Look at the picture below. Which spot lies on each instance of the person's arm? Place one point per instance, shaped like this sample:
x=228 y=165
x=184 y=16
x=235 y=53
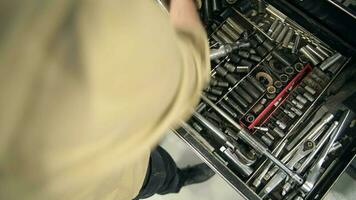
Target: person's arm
x=102 y=89
x=193 y=44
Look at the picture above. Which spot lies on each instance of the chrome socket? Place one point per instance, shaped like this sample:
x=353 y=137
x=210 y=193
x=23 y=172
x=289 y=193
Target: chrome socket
x=298 y=67
x=250 y=118
x=289 y=70
x=309 y=55
x=284 y=78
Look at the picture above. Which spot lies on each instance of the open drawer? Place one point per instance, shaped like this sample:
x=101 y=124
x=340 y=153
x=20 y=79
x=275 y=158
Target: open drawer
x=264 y=123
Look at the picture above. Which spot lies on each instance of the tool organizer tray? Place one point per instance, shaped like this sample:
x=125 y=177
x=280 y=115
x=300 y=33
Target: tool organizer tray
x=262 y=124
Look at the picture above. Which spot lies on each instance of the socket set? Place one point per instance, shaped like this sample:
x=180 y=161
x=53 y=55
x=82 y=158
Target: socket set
x=261 y=123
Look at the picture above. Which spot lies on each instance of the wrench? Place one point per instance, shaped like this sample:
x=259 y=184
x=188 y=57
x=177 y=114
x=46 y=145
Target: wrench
x=257 y=181
x=319 y=147
x=314 y=132
x=287 y=157
x=302 y=151
x=228 y=147
x=244 y=135
x=289 y=184
x=318 y=115
x=315 y=171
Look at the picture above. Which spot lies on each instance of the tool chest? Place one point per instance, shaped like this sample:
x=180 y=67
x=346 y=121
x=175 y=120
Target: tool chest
x=266 y=122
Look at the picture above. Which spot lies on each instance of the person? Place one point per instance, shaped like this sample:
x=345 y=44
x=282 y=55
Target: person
x=88 y=88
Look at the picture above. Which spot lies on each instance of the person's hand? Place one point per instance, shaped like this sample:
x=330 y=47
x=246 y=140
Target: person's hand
x=183 y=13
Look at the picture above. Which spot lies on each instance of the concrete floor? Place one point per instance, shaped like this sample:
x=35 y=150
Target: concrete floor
x=217 y=188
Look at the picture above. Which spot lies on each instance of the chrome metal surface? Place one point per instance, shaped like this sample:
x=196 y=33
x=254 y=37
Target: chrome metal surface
x=244 y=135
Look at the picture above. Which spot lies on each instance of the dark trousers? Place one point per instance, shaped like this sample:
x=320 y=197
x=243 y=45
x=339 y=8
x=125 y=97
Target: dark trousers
x=162 y=175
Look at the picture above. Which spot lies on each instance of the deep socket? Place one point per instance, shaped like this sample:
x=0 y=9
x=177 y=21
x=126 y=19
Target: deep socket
x=255 y=58
x=213 y=82
x=279 y=132
x=269 y=135
x=311 y=83
x=288 y=38
x=318 y=80
x=250 y=89
x=231 y=79
x=216 y=91
x=268 y=45
x=239 y=90
x=315 y=52
x=297 y=111
x=309 y=97
x=281 y=124
x=235 y=26
x=211 y=97
x=289 y=113
x=273 y=27
x=277 y=30
x=296 y=44
x=245 y=62
x=221 y=71
x=228 y=30
x=228 y=109
x=234 y=105
x=309 y=55
x=266 y=140
x=297 y=104
x=282 y=34
x=301 y=99
x=252 y=51
x=222 y=84
x=244 y=54
x=256 y=83
x=321 y=50
x=224 y=37
x=257 y=108
x=330 y=61
x=231 y=68
x=239 y=99
x=216 y=38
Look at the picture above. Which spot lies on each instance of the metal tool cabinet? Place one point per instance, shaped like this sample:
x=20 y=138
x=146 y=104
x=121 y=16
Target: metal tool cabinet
x=297 y=19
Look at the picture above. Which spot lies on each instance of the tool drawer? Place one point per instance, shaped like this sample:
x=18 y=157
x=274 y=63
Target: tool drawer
x=265 y=122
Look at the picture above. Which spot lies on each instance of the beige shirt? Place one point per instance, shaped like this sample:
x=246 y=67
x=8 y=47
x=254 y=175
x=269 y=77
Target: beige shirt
x=86 y=90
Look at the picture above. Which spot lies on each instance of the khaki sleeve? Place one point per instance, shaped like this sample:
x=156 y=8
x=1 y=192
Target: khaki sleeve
x=145 y=76
x=115 y=80
x=195 y=55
